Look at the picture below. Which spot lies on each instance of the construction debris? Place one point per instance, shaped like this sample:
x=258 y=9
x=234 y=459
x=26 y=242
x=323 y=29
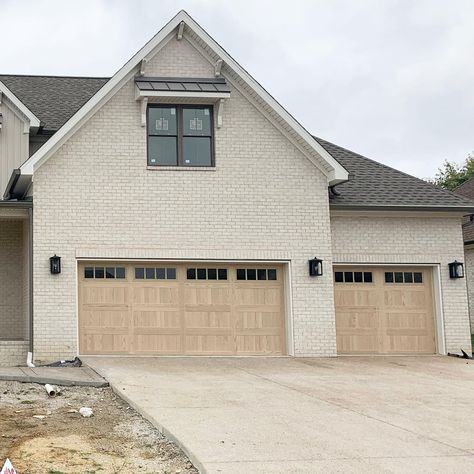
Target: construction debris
x=86 y=412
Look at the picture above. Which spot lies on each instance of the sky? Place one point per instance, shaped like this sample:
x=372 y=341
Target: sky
x=390 y=79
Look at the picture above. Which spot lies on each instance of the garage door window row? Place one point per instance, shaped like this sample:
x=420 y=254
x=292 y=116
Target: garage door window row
x=152 y=273
x=403 y=277
x=256 y=274
x=353 y=277
x=206 y=273
x=104 y=272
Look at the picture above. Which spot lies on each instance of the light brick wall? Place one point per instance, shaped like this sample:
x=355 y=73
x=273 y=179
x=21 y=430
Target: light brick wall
x=13 y=353
x=263 y=200
x=469 y=267
x=11 y=280
x=431 y=240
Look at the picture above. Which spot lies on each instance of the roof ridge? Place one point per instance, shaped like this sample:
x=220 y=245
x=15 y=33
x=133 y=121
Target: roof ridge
x=56 y=76
x=438 y=188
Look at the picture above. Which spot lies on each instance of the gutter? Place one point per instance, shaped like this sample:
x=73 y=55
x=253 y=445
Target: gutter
x=16 y=204
x=348 y=207
x=15 y=176
x=29 y=361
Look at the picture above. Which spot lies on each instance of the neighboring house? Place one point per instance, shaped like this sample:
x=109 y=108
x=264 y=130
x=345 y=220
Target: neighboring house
x=187 y=207
x=467 y=190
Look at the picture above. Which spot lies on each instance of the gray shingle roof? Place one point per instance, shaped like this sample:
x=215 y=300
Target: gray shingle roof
x=372 y=184
x=53 y=99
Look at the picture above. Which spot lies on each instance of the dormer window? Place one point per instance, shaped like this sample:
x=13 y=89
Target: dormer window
x=180 y=135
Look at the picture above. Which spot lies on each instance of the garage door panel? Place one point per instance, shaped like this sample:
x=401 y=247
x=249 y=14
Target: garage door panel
x=160 y=343
x=400 y=318
x=147 y=313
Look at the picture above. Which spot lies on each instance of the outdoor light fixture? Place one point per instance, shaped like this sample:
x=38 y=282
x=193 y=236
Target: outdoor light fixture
x=456 y=269
x=55 y=264
x=315 y=267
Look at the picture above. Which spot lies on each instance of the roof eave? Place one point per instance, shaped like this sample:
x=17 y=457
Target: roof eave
x=409 y=208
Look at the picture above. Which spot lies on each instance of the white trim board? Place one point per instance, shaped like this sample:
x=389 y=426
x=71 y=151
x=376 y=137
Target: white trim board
x=34 y=121
x=333 y=170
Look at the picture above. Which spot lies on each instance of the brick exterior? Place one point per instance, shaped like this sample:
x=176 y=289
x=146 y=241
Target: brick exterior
x=254 y=205
x=95 y=198
x=13 y=353
x=431 y=240
x=12 y=316
x=469 y=268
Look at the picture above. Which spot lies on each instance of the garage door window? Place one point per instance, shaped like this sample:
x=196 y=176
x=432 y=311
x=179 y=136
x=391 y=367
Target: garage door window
x=353 y=277
x=403 y=277
x=104 y=272
x=256 y=274
x=153 y=273
x=206 y=273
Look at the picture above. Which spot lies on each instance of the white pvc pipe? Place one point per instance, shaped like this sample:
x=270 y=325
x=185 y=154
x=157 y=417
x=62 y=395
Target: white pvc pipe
x=51 y=390
x=29 y=360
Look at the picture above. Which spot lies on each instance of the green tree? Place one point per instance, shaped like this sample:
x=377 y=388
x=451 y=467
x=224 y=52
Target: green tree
x=451 y=174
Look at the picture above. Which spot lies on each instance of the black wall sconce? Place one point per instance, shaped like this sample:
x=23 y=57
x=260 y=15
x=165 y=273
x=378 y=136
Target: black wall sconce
x=456 y=269
x=55 y=264
x=315 y=267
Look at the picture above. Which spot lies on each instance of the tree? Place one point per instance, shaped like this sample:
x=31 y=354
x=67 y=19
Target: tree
x=451 y=174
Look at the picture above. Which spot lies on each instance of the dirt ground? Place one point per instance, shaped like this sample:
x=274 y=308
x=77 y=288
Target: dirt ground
x=115 y=439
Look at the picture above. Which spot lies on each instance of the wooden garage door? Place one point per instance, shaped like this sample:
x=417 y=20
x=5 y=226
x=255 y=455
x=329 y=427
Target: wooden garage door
x=181 y=309
x=384 y=310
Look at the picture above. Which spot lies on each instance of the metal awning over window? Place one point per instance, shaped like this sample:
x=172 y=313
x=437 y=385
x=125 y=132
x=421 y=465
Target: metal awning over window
x=213 y=88
x=179 y=90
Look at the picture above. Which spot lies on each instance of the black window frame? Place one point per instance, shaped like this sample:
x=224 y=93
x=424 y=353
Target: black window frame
x=180 y=134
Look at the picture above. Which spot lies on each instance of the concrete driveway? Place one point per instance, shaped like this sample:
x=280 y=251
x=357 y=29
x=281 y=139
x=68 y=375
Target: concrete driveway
x=282 y=415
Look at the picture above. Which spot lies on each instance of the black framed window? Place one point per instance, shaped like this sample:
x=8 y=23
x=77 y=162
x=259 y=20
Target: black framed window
x=104 y=272
x=180 y=135
x=353 y=277
x=256 y=274
x=151 y=273
x=206 y=273
x=403 y=277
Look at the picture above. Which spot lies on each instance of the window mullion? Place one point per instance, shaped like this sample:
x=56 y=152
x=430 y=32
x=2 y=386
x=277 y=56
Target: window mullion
x=179 y=111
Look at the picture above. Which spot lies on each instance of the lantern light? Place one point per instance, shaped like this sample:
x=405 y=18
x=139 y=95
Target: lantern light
x=55 y=264
x=456 y=269
x=315 y=267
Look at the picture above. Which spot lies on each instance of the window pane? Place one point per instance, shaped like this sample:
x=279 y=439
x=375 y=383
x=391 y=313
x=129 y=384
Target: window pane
x=222 y=273
x=110 y=272
x=139 y=273
x=201 y=273
x=150 y=273
x=358 y=277
x=398 y=277
x=191 y=274
x=338 y=277
x=120 y=272
x=196 y=151
x=212 y=273
x=251 y=274
x=197 y=122
x=160 y=273
x=348 y=277
x=162 y=151
x=418 y=277
x=162 y=121
x=240 y=273
x=388 y=277
x=99 y=272
x=171 y=273
x=408 y=276
x=261 y=274
x=88 y=272
x=367 y=277
x=272 y=274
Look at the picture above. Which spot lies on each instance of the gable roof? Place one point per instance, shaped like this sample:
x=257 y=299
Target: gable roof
x=52 y=99
x=301 y=137
x=373 y=185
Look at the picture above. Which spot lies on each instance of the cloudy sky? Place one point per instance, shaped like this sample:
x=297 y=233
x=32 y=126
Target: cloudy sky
x=390 y=79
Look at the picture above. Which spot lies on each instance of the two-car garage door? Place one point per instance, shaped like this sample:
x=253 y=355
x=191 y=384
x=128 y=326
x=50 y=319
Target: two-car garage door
x=384 y=310
x=181 y=308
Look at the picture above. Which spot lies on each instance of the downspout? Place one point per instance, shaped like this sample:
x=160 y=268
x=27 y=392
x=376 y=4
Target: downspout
x=29 y=359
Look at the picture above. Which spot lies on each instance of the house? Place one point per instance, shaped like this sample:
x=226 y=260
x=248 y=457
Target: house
x=466 y=189
x=177 y=208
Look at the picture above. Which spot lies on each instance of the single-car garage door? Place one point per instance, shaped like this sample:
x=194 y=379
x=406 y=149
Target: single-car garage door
x=181 y=308
x=384 y=310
